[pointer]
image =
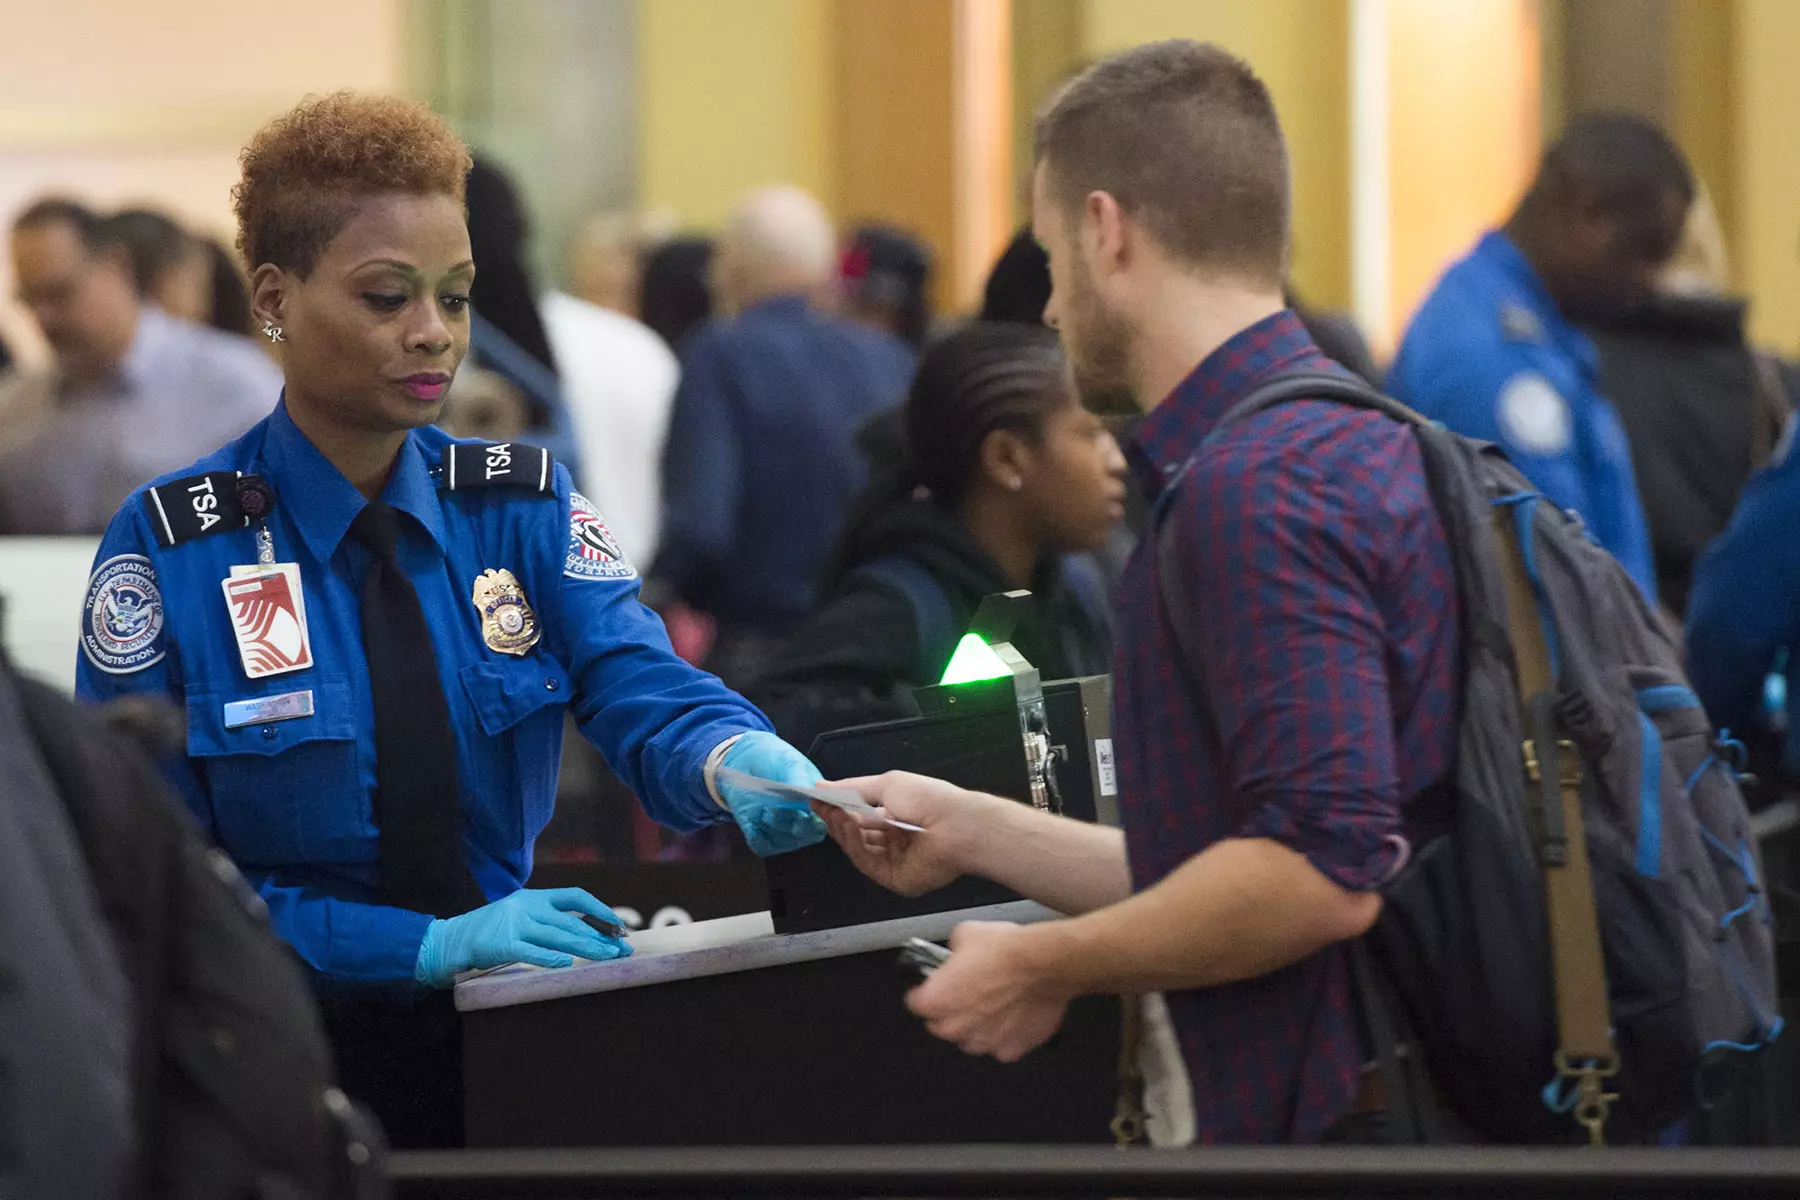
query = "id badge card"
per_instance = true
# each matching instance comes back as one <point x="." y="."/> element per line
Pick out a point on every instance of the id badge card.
<point x="268" y="618"/>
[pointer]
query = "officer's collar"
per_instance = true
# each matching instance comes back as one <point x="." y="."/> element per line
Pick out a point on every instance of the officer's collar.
<point x="1510" y="261"/>
<point x="322" y="503"/>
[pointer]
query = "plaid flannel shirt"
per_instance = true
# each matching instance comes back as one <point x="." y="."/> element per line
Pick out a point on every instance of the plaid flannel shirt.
<point x="1323" y="715"/>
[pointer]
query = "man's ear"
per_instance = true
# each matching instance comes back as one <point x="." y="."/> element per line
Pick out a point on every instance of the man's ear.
<point x="1106" y="233"/>
<point x="1005" y="459"/>
<point x="269" y="288"/>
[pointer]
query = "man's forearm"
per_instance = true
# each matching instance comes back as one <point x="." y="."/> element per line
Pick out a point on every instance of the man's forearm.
<point x="1068" y="865"/>
<point x="1240" y="909"/>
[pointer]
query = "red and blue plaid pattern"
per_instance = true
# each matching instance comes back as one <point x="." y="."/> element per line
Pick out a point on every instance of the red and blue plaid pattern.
<point x="1323" y="714"/>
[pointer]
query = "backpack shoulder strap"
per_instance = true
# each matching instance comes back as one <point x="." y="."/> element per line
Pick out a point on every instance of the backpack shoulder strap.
<point x="1316" y="385"/>
<point x="1305" y="385"/>
<point x="933" y="616"/>
<point x="1585" y="1052"/>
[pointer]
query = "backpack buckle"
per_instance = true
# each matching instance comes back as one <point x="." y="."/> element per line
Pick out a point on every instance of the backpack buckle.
<point x="1593" y="1103"/>
<point x="1568" y="763"/>
<point x="1548" y="803"/>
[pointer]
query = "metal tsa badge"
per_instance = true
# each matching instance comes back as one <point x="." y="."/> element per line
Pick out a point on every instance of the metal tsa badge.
<point x="507" y="623"/>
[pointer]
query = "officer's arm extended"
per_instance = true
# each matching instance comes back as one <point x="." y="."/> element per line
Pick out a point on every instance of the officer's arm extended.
<point x="658" y="720"/>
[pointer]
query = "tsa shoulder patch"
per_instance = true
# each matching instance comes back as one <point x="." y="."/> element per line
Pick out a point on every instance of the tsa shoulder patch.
<point x="469" y="465"/>
<point x="122" y="617"/>
<point x="594" y="552"/>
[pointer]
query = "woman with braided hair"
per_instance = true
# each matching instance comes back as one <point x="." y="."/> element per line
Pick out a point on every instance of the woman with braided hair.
<point x="1005" y="482"/>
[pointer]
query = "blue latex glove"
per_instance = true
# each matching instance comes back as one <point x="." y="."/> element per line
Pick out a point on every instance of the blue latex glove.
<point x="771" y="825"/>
<point x="540" y="927"/>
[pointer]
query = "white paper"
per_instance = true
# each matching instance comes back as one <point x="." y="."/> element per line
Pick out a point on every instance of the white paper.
<point x="842" y="798"/>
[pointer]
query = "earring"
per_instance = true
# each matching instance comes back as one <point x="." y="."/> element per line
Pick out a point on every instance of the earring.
<point x="272" y="331"/>
<point x="1014" y="483"/>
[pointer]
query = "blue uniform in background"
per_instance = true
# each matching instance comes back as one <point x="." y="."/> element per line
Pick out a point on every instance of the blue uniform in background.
<point x="1744" y="611"/>
<point x="285" y="782"/>
<point x="1491" y="356"/>
<point x="761" y="462"/>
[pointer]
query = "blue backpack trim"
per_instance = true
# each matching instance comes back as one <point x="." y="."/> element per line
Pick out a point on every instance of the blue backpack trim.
<point x="1649" y="846"/>
<point x="1524" y="507"/>
<point x="1667" y="698"/>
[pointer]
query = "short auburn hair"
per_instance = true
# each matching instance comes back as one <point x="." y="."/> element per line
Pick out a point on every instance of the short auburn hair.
<point x="304" y="172"/>
<point x="1184" y="136"/>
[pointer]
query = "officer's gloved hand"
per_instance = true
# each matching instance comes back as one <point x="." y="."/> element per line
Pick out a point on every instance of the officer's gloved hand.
<point x="541" y="927"/>
<point x="771" y="825"/>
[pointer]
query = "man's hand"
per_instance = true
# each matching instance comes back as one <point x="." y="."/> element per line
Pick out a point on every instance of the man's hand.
<point x="904" y="862"/>
<point x="991" y="998"/>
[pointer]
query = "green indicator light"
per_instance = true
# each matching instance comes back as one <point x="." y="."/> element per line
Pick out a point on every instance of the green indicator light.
<point x="974" y="661"/>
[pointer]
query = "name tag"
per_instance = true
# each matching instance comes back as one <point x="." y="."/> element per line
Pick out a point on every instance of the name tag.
<point x="266" y="709"/>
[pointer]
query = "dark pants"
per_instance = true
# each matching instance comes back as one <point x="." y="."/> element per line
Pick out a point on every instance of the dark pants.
<point x="404" y="1061"/>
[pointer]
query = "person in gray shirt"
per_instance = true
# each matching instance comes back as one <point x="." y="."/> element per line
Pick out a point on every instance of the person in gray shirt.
<point x="133" y="393"/>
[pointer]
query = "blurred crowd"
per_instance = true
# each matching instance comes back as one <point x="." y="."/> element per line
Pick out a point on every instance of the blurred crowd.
<point x="797" y="446"/>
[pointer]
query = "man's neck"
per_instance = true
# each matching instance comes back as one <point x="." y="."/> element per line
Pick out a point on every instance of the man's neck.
<point x="1179" y="328"/>
<point x="364" y="457"/>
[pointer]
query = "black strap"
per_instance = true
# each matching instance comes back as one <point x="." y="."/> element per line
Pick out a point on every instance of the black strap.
<point x="1385" y="1047"/>
<point x="417" y="803"/>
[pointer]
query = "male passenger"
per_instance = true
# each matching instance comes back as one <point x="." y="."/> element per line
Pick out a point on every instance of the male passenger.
<point x="1284" y="706"/>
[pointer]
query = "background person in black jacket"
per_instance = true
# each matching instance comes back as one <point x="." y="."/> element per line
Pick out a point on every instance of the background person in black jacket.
<point x="1701" y="407"/>
<point x="1006" y="482"/>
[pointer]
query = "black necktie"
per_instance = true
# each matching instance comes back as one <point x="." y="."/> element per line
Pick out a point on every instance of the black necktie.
<point x="416" y="795"/>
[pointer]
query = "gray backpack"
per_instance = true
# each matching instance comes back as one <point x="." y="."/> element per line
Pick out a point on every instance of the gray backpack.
<point x="1592" y="936"/>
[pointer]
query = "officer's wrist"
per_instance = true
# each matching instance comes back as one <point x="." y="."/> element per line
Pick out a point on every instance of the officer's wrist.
<point x="710" y="772"/>
<point x="425" y="967"/>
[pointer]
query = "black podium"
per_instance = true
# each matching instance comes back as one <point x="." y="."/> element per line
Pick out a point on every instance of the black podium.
<point x="725" y="1033"/>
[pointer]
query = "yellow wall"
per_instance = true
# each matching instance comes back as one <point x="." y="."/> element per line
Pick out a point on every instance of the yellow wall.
<point x="740" y="93"/>
<point x="1300" y="49"/>
<point x="1047" y="49"/>
<point x="733" y="94"/>
<point x="1768" y="176"/>
<point x="1463" y="131"/>
<point x="1704" y="123"/>
<point x="896" y="103"/>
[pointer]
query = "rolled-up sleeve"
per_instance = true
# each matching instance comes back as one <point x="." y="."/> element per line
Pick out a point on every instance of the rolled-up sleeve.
<point x="1290" y="638"/>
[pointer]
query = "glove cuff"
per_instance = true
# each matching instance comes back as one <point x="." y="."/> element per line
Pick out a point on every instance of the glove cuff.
<point x="425" y="969"/>
<point x="710" y="773"/>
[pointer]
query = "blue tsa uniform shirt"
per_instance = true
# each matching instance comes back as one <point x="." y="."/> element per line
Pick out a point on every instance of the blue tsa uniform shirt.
<point x="533" y="610"/>
<point x="1490" y="355"/>
<point x="1744" y="611"/>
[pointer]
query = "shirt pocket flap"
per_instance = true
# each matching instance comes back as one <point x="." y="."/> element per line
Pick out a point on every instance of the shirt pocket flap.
<point x="266" y="721"/>
<point x="505" y="693"/>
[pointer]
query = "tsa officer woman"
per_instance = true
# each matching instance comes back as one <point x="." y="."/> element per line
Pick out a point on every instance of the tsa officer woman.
<point x="375" y="630"/>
